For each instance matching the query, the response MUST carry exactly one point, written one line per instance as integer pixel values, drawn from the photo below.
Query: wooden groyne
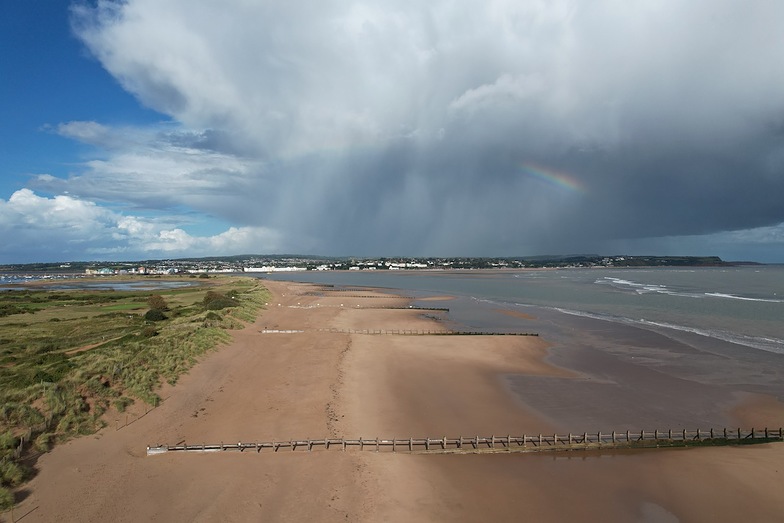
(399, 332)
(365, 307)
(371, 296)
(525, 443)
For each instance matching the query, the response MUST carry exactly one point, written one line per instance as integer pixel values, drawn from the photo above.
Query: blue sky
(49, 77)
(166, 128)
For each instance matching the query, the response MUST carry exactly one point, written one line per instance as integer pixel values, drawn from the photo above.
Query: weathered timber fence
(372, 296)
(525, 443)
(365, 308)
(400, 332)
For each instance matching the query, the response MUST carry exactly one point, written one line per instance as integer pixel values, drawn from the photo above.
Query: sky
(149, 129)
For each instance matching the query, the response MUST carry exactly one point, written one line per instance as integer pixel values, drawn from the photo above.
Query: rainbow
(552, 177)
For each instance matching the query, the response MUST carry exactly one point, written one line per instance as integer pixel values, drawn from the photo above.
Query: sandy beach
(315, 384)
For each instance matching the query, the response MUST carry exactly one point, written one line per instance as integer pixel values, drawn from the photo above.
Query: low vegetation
(70, 360)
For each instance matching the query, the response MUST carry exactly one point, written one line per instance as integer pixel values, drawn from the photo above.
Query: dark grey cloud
(488, 127)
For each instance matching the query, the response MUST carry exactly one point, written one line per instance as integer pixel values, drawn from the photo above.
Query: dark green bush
(214, 301)
(154, 315)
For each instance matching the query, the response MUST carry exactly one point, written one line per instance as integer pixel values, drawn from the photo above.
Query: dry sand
(315, 384)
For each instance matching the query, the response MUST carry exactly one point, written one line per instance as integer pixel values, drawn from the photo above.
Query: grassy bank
(69, 359)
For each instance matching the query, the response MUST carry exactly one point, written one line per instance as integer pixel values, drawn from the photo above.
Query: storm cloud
(439, 128)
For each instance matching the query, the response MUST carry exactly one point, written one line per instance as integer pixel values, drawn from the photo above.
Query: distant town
(291, 263)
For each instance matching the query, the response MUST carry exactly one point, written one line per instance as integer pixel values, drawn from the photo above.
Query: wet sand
(316, 384)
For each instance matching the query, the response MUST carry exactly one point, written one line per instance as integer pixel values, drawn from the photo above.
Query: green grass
(125, 307)
(71, 356)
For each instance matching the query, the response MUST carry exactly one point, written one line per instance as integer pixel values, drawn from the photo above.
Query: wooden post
(669, 433)
(361, 444)
(627, 436)
(738, 433)
(585, 438)
(725, 432)
(393, 444)
(443, 445)
(540, 440)
(376, 443)
(410, 444)
(613, 436)
(508, 441)
(427, 443)
(343, 441)
(492, 442)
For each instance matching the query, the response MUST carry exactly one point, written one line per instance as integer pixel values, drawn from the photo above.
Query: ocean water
(739, 305)
(657, 348)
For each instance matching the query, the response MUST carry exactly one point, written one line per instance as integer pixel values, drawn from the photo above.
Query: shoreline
(315, 383)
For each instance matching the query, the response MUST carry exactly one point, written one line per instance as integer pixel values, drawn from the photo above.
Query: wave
(768, 344)
(645, 288)
(756, 342)
(744, 298)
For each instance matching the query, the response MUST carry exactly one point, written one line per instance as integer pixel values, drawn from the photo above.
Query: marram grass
(69, 357)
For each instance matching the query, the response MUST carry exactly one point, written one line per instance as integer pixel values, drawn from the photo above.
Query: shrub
(7, 441)
(156, 301)
(214, 301)
(11, 473)
(154, 315)
(122, 403)
(149, 331)
(6, 499)
(43, 442)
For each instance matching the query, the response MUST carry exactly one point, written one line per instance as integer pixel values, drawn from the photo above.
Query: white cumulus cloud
(68, 228)
(403, 127)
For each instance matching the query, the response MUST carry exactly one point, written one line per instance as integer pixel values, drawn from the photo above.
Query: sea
(658, 347)
(740, 305)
